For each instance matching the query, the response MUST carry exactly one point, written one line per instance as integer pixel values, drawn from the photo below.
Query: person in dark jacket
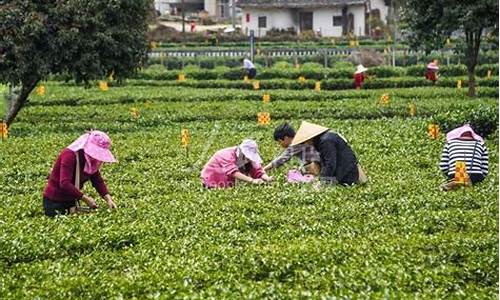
(338, 161)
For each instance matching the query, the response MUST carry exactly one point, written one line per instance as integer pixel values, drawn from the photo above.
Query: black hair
(282, 131)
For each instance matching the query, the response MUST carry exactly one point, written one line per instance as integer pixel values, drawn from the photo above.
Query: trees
(431, 22)
(82, 39)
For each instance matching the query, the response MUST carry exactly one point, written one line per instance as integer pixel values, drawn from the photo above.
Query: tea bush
(396, 237)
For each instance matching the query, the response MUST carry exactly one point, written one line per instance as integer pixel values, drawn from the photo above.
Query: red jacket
(61, 184)
(430, 74)
(358, 80)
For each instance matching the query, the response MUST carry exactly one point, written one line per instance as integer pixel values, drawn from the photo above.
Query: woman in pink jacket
(76, 164)
(242, 162)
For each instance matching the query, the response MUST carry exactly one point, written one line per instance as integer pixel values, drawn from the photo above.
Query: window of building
(337, 20)
(262, 22)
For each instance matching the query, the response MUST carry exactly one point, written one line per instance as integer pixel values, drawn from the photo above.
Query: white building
(333, 18)
(217, 9)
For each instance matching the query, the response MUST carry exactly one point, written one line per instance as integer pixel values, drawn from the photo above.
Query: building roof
(295, 3)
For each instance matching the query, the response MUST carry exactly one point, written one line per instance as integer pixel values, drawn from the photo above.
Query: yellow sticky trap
(489, 74)
(459, 84)
(258, 51)
(103, 86)
(256, 85)
(412, 109)
(263, 118)
(4, 131)
(433, 131)
(386, 51)
(111, 76)
(297, 66)
(153, 45)
(384, 99)
(185, 138)
(245, 79)
(40, 90)
(181, 77)
(302, 79)
(266, 98)
(148, 104)
(448, 42)
(353, 43)
(461, 176)
(317, 86)
(134, 112)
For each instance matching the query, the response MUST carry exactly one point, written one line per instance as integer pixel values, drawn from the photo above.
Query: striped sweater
(474, 153)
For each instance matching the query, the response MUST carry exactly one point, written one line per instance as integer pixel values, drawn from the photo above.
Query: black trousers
(475, 178)
(352, 177)
(252, 73)
(53, 208)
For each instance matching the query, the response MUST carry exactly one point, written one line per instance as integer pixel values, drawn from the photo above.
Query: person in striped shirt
(463, 144)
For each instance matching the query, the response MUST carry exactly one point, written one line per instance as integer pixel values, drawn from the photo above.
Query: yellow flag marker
(4, 130)
(181, 77)
(412, 109)
(459, 84)
(40, 90)
(134, 112)
(384, 99)
(184, 138)
(302, 79)
(103, 86)
(317, 86)
(266, 98)
(256, 85)
(461, 176)
(263, 118)
(433, 131)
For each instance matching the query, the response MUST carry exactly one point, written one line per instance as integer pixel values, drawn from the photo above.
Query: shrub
(484, 119)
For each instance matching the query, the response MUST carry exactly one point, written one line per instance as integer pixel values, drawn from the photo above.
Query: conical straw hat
(307, 131)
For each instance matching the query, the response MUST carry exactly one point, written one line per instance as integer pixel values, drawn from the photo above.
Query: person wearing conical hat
(432, 70)
(338, 161)
(307, 155)
(359, 76)
(241, 162)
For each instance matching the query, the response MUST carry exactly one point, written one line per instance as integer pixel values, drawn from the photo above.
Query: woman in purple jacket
(76, 164)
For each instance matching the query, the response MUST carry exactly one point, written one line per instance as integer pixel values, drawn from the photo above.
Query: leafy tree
(431, 22)
(81, 39)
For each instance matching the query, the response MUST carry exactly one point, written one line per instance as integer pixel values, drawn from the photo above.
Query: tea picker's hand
(110, 202)
(90, 202)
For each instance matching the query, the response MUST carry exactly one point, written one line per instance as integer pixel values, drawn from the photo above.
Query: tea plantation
(398, 237)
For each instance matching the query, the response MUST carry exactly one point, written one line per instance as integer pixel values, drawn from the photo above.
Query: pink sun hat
(432, 66)
(250, 149)
(458, 132)
(96, 144)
